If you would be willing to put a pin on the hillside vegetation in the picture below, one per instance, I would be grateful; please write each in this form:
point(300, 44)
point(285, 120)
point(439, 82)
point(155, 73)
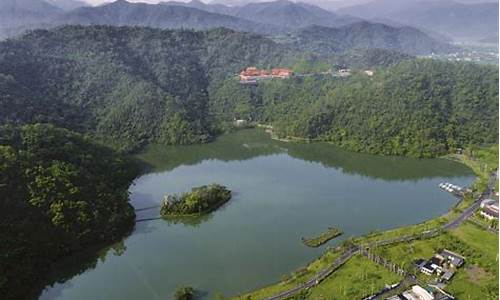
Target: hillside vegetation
point(130, 86)
point(419, 108)
point(200, 200)
point(57, 197)
point(365, 35)
point(134, 86)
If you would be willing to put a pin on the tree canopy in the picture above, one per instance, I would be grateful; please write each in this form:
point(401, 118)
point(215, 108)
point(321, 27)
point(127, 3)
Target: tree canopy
point(56, 197)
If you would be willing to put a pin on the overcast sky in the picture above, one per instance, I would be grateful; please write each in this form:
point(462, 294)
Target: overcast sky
point(95, 2)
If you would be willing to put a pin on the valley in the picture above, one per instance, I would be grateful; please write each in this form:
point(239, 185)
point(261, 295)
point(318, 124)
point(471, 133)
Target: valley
point(198, 150)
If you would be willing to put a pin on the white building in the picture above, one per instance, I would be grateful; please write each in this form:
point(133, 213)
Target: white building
point(489, 209)
point(418, 293)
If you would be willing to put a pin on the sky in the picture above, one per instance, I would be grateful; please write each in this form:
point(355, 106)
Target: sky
point(96, 2)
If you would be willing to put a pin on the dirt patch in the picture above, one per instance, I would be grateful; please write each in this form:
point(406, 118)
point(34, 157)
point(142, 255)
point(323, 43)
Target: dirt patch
point(476, 274)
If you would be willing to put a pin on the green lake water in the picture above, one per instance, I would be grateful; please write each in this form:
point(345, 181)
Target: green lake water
point(281, 192)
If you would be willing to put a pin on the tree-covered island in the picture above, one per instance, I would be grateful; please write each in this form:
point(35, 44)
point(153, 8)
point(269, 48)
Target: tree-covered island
point(200, 200)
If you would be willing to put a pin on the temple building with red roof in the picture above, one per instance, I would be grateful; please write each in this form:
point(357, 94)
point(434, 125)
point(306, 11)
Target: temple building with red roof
point(252, 74)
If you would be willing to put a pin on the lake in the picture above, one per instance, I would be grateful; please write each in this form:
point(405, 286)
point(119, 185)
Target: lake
point(281, 192)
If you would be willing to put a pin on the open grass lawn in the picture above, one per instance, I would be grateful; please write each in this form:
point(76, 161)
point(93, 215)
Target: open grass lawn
point(296, 278)
point(358, 278)
point(479, 278)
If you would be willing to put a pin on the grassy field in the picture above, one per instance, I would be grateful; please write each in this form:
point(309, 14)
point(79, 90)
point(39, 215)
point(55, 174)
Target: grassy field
point(358, 278)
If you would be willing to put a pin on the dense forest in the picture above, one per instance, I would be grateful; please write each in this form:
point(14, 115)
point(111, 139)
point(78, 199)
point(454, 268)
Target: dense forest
point(133, 86)
point(130, 86)
point(420, 108)
point(365, 35)
point(56, 198)
point(199, 200)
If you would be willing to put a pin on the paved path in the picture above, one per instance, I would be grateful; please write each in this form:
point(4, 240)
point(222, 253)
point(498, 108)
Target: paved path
point(320, 276)
point(471, 209)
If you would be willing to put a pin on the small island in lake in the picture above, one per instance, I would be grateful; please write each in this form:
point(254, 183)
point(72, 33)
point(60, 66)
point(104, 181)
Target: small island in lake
point(323, 238)
point(200, 200)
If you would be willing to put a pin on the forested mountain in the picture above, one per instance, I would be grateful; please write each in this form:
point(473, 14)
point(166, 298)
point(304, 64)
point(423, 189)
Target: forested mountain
point(275, 19)
point(133, 86)
point(366, 35)
point(68, 5)
point(457, 20)
point(419, 108)
point(288, 14)
point(210, 7)
point(129, 85)
point(56, 198)
point(121, 13)
point(18, 15)
point(370, 58)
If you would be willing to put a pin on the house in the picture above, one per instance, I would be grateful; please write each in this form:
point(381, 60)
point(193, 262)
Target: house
point(419, 263)
point(240, 123)
point(448, 274)
point(417, 293)
point(437, 263)
point(489, 209)
point(427, 268)
point(344, 72)
point(456, 260)
point(489, 213)
point(487, 202)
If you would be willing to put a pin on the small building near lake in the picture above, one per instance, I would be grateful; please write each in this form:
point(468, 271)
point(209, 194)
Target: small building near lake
point(489, 209)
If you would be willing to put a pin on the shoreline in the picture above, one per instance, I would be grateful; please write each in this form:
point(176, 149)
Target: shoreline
point(428, 225)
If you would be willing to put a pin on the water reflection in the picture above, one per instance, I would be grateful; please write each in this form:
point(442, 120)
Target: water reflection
point(281, 191)
point(251, 143)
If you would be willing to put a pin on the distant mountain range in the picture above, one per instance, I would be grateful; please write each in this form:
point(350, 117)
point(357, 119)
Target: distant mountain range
point(123, 13)
point(68, 5)
point(277, 18)
point(365, 35)
point(282, 13)
point(285, 13)
point(470, 21)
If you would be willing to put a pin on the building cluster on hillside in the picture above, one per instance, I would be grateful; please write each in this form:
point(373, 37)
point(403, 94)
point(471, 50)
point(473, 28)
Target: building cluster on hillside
point(419, 293)
point(443, 264)
point(489, 209)
point(251, 74)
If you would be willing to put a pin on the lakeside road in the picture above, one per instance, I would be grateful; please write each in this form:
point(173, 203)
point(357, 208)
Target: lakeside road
point(467, 213)
point(321, 275)
point(355, 249)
